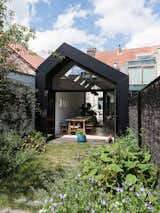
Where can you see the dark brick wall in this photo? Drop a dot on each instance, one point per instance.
(150, 119)
(133, 113)
(149, 112)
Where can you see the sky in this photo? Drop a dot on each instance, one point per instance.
(103, 24)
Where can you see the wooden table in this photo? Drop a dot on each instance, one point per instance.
(81, 120)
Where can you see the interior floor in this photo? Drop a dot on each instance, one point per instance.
(97, 131)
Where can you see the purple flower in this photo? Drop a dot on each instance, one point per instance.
(149, 193)
(87, 208)
(51, 199)
(92, 180)
(119, 189)
(142, 189)
(61, 196)
(148, 206)
(92, 211)
(54, 206)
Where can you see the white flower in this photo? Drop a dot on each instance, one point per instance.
(42, 211)
(65, 195)
(78, 175)
(116, 203)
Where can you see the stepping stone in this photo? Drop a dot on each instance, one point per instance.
(13, 211)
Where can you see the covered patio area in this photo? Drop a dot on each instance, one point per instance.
(74, 90)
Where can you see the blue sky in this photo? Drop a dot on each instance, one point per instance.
(102, 24)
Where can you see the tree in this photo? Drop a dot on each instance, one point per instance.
(10, 34)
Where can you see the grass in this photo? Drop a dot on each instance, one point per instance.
(59, 158)
(66, 155)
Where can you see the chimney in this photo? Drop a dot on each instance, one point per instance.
(119, 49)
(91, 51)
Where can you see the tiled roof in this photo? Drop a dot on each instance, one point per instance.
(111, 57)
(28, 56)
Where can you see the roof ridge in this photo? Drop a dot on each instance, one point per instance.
(126, 49)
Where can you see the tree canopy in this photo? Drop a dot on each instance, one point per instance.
(10, 34)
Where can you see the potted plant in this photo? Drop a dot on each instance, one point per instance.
(80, 136)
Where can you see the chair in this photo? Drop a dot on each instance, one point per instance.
(64, 127)
(90, 126)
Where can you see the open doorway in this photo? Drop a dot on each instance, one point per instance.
(92, 106)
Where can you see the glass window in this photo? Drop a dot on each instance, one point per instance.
(135, 75)
(148, 74)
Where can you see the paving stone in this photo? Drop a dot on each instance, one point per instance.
(13, 211)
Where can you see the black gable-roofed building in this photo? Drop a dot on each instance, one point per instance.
(65, 77)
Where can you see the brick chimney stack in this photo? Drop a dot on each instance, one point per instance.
(91, 51)
(119, 49)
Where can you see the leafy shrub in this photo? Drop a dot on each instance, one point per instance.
(76, 195)
(34, 141)
(121, 162)
(21, 173)
(115, 178)
(11, 155)
(28, 178)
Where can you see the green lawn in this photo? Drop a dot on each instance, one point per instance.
(66, 154)
(59, 158)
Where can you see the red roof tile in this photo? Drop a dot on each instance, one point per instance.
(111, 57)
(28, 56)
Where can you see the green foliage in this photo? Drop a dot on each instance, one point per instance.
(35, 141)
(58, 56)
(11, 155)
(16, 109)
(115, 178)
(27, 178)
(122, 161)
(21, 171)
(10, 36)
(79, 132)
(75, 195)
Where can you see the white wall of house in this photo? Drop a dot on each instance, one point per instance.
(25, 79)
(67, 105)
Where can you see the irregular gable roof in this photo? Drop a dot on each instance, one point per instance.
(83, 60)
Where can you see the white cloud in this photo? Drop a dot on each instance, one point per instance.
(68, 19)
(24, 10)
(133, 18)
(50, 40)
(150, 36)
(64, 30)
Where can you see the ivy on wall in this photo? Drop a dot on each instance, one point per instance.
(17, 107)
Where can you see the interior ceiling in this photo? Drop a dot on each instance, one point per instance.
(77, 78)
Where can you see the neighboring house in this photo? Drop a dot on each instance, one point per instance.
(26, 64)
(141, 64)
(19, 112)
